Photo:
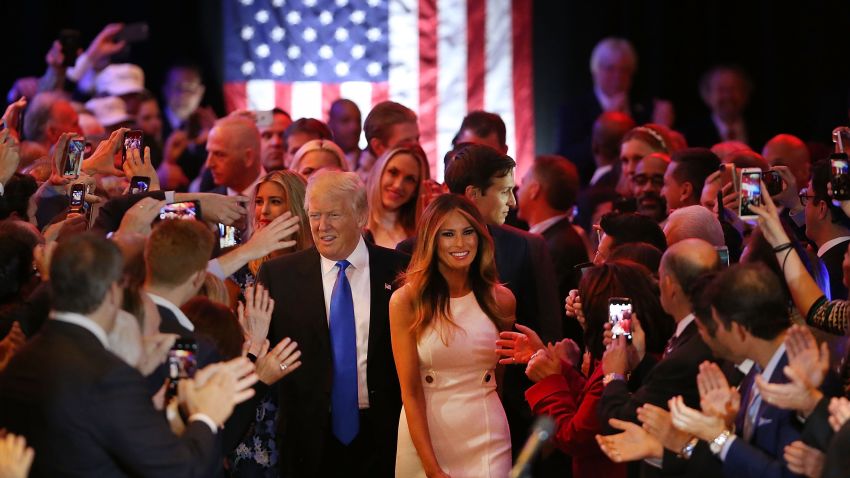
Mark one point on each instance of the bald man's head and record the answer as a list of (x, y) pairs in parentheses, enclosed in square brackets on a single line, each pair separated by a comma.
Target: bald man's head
[(685, 261), (789, 150)]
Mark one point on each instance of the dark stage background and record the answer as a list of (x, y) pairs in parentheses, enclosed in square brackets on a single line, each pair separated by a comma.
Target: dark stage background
[(797, 54)]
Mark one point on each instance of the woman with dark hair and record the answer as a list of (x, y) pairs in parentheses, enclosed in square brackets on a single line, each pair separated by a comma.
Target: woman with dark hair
[(570, 391), (444, 322), (642, 253), (395, 195), (218, 323)]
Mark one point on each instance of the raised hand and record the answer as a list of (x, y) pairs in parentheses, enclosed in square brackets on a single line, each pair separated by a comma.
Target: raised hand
[(631, 445), (808, 361), (543, 364), (686, 419), (104, 44), (275, 236), (255, 316), (768, 220), (839, 412), (220, 208), (658, 423), (804, 460), (10, 155), (138, 165), (272, 365), (102, 161), (15, 456), (717, 398), (138, 219), (518, 347), (616, 356), (13, 115)]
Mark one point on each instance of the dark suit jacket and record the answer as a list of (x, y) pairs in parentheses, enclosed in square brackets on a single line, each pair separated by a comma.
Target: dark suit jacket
[(838, 454), (109, 215), (762, 455), (575, 129), (833, 259), (703, 133), (87, 413), (674, 375), (567, 250), (294, 281)]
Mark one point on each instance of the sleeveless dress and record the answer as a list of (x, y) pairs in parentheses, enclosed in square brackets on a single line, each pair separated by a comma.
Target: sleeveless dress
[(466, 421)]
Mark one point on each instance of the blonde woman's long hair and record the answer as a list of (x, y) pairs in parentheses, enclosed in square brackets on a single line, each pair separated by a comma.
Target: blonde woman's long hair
[(411, 211), (431, 290), (294, 188)]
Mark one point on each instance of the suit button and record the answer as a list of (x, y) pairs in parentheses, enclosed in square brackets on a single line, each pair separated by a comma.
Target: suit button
[(429, 379), (487, 378)]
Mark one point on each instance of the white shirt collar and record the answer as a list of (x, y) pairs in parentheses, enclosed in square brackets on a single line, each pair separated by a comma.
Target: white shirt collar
[(359, 258), (830, 244), (774, 361), (84, 322), (684, 323), (600, 171), (250, 189), (178, 314), (543, 225)]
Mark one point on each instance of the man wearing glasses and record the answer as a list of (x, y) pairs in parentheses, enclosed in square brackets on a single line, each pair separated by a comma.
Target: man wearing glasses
[(647, 183)]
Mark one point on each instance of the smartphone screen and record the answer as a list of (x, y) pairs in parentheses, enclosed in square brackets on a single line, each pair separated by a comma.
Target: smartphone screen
[(750, 192), (182, 362), (228, 236), (620, 316), (264, 118), (132, 140), (180, 210), (78, 194), (139, 184), (73, 158), (840, 177)]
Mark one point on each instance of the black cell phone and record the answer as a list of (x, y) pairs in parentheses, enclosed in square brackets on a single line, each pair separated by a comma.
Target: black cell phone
[(840, 177), (139, 184), (73, 158), (182, 363), (773, 182), (228, 236), (132, 140), (70, 41), (750, 192), (133, 33), (78, 198), (189, 210), (620, 317)]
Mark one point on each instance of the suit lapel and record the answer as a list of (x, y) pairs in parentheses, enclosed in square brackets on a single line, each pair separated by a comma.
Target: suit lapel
[(311, 296), (380, 288)]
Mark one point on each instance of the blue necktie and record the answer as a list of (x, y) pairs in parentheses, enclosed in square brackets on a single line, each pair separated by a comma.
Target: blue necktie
[(345, 412)]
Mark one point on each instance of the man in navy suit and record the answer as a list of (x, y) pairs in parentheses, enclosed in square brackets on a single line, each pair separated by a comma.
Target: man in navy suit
[(337, 418)]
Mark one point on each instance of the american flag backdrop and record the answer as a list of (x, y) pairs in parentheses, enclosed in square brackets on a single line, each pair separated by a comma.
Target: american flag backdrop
[(441, 58)]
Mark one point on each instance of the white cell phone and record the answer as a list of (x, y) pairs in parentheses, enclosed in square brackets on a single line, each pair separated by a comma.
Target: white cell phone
[(750, 192)]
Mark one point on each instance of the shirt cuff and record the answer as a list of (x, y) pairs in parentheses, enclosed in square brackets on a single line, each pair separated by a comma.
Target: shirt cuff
[(656, 462), (726, 446), (200, 417), (169, 197), (214, 268)]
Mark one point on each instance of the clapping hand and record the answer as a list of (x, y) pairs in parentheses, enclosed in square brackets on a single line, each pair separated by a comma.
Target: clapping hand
[(217, 388), (657, 422), (15, 456), (839, 412), (717, 398), (633, 444), (138, 165), (806, 369), (705, 427), (518, 347), (542, 364), (273, 365), (255, 316), (804, 460)]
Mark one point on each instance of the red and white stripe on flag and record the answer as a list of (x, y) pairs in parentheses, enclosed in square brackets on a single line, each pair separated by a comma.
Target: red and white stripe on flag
[(446, 58)]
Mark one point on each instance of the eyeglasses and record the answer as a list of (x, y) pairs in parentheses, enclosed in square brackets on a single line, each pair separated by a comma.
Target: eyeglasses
[(805, 196), (642, 179)]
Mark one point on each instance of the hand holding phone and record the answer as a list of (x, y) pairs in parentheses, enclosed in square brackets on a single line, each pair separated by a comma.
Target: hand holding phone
[(182, 363), (189, 210), (750, 192), (73, 158), (132, 140)]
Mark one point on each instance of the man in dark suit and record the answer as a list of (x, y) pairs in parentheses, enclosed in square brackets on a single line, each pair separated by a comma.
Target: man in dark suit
[(340, 410), (84, 410), (547, 195), (726, 91), (612, 65), (681, 266), (828, 227)]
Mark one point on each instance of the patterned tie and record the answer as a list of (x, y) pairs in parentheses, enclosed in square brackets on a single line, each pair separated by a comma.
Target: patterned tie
[(671, 345), (345, 412), (753, 405)]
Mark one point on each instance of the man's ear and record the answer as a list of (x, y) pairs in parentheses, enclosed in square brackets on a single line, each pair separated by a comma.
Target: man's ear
[(472, 193), (377, 147), (687, 191), (823, 210), (198, 278), (534, 189)]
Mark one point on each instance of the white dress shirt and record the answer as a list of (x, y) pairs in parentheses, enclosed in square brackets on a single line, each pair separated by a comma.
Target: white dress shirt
[(683, 324), (181, 317), (249, 191), (830, 244), (541, 226), (599, 172), (84, 322), (361, 293)]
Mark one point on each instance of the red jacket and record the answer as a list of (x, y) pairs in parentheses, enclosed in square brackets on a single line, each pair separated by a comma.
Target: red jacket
[(573, 402)]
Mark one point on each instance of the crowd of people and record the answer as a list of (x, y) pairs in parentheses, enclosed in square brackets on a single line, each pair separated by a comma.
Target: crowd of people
[(255, 296)]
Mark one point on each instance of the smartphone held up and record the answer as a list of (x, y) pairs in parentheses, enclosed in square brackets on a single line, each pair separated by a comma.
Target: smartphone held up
[(750, 192), (620, 317)]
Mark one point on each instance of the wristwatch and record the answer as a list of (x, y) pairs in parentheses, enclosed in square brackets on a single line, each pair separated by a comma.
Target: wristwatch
[(716, 445), (688, 449), (610, 377)]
